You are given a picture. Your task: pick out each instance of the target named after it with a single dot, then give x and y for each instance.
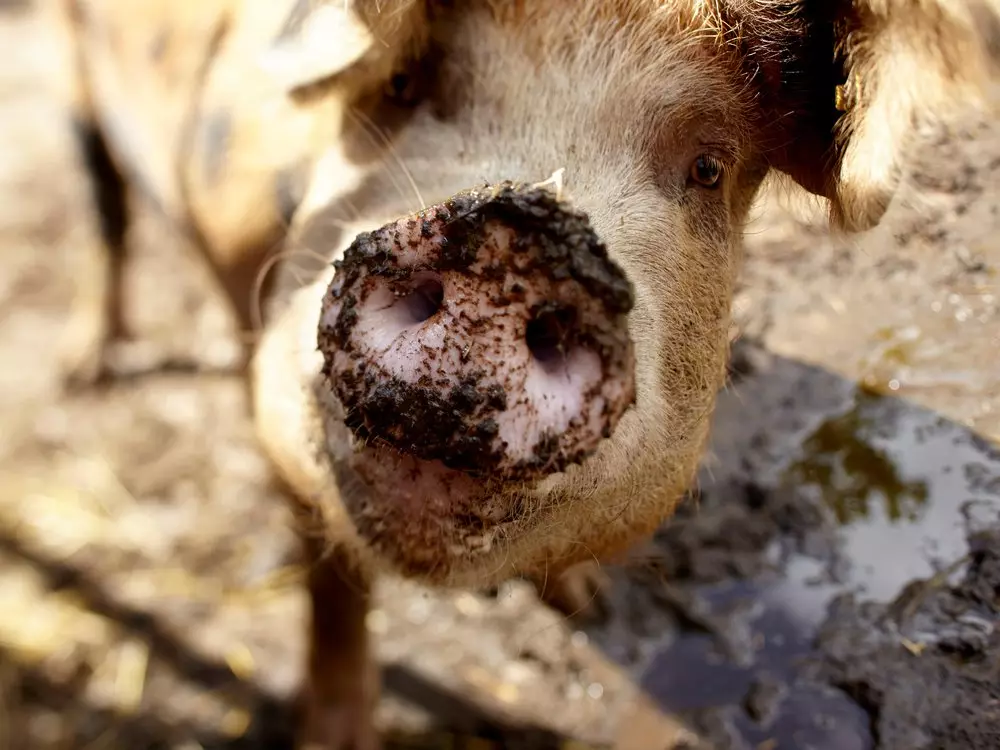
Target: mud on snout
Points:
(478, 346)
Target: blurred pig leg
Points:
(96, 315)
(342, 686)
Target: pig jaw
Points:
(474, 350)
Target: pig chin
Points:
(425, 520)
(474, 350)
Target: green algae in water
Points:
(851, 473)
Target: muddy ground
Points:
(834, 584)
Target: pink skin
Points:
(531, 366)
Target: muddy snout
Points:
(487, 332)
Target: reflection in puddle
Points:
(895, 480)
(921, 470)
(844, 462)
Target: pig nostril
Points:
(423, 300)
(548, 334)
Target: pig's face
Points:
(662, 165)
(663, 138)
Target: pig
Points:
(461, 423)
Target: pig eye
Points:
(706, 171)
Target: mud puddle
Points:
(828, 513)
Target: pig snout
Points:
(487, 333)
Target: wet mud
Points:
(769, 610)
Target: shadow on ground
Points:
(88, 725)
(271, 725)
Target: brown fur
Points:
(622, 94)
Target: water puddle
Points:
(895, 483)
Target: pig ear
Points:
(869, 71)
(321, 39)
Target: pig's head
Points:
(456, 447)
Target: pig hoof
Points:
(475, 349)
(578, 593)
